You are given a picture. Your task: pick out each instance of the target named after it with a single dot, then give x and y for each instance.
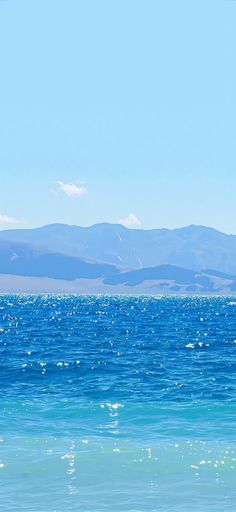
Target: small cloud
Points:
(5, 219)
(70, 189)
(131, 220)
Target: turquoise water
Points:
(117, 404)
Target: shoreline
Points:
(15, 284)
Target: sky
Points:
(118, 111)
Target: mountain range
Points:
(113, 259)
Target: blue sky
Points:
(111, 108)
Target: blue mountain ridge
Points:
(69, 253)
(192, 247)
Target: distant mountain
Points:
(177, 275)
(24, 260)
(44, 270)
(192, 247)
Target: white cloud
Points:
(5, 219)
(70, 189)
(131, 220)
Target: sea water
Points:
(117, 404)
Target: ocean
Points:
(113, 404)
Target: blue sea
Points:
(113, 404)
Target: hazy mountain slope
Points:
(23, 260)
(164, 272)
(193, 247)
(19, 259)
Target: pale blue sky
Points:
(134, 101)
